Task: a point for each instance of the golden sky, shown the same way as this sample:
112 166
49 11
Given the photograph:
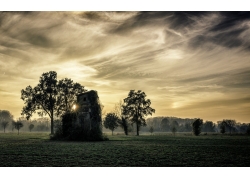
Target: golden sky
190 64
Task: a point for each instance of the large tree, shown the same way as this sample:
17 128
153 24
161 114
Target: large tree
50 97
136 107
67 91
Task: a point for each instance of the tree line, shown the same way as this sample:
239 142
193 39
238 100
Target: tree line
175 124
7 123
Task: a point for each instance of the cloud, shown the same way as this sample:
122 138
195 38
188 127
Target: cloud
180 59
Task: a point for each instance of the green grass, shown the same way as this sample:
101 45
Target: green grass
35 149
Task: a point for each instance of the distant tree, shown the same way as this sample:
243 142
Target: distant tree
123 119
197 125
174 127
111 122
50 97
222 127
136 107
31 126
5 118
12 125
165 125
5 115
248 129
151 129
4 124
230 124
18 125
188 127
208 126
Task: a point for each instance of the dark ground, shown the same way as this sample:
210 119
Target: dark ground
35 149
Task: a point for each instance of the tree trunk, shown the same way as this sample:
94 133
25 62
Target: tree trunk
137 129
112 133
52 124
4 129
18 131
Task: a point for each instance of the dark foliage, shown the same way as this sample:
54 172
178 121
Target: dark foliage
111 121
18 125
31 126
208 126
50 97
174 127
123 124
73 127
136 107
223 127
197 125
165 125
248 129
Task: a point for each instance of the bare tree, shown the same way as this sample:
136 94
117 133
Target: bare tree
123 119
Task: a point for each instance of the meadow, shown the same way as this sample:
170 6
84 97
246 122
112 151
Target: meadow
159 150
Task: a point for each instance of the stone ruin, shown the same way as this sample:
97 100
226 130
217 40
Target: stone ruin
89 110
85 123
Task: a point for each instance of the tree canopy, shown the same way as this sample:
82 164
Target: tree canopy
197 125
50 97
111 121
136 107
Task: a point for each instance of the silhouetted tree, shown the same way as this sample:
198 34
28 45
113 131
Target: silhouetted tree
50 97
197 125
248 129
67 91
31 126
174 127
18 125
5 118
222 127
5 115
151 129
111 122
208 126
165 125
4 124
230 124
136 107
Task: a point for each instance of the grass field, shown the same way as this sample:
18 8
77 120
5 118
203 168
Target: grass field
35 149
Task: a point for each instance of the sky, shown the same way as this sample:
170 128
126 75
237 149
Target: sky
189 64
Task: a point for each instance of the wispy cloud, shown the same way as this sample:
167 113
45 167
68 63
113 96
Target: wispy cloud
188 63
